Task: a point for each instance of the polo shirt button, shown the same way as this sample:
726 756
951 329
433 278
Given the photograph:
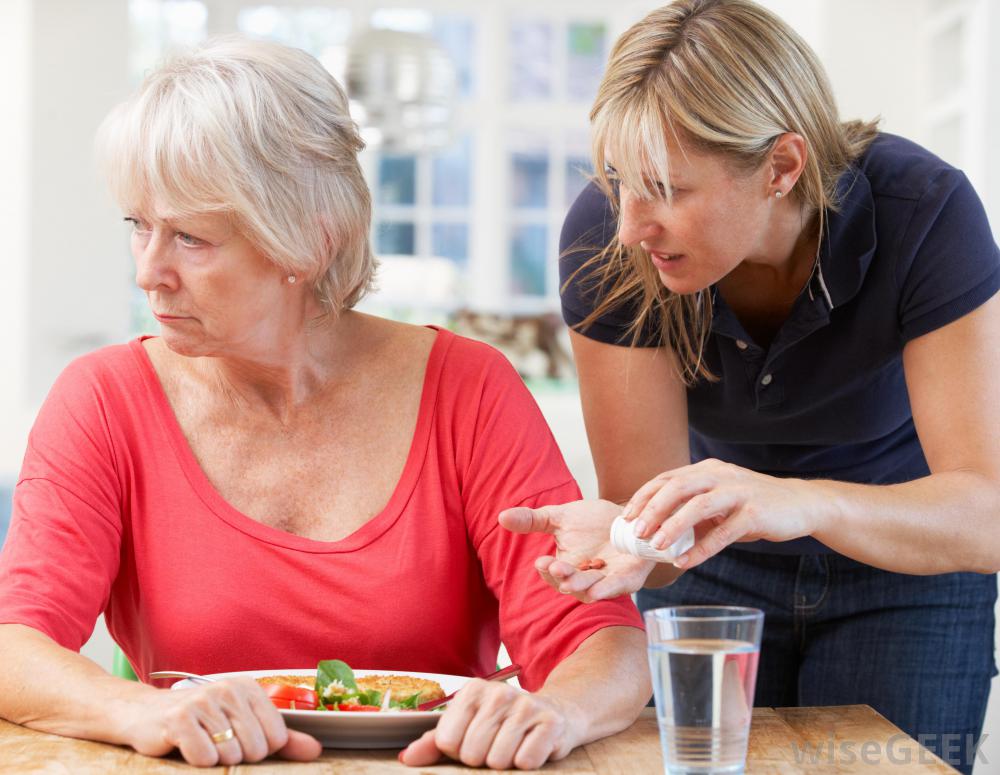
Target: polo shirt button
766 380
741 344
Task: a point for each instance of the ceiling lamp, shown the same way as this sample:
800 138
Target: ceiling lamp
402 90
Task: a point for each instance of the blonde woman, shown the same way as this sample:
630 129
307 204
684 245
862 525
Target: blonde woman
788 339
276 479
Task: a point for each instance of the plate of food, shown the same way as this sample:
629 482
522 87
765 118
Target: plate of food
345 708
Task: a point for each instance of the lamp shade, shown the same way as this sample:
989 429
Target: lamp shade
402 87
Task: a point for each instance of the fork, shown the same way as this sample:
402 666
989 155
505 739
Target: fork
181 674
500 675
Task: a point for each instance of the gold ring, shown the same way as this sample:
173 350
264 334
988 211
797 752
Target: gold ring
221 737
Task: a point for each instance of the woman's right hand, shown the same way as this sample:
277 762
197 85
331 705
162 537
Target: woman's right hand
582 531
186 719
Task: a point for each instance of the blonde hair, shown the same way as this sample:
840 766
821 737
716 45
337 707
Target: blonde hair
260 132
727 77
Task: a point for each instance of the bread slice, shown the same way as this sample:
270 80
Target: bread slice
402 686
305 681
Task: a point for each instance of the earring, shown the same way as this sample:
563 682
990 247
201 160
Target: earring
778 195
291 279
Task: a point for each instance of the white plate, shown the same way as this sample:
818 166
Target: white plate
356 729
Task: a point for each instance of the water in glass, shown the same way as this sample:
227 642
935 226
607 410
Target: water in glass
704 698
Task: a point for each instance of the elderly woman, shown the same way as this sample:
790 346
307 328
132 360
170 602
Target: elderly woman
277 479
813 386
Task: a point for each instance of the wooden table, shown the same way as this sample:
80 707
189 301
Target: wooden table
844 739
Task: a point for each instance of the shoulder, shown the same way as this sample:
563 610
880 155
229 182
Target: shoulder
941 257
86 406
469 362
906 200
591 220
110 371
900 168
923 199
476 382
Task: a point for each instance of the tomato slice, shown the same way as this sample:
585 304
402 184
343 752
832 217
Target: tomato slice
291 704
346 706
292 697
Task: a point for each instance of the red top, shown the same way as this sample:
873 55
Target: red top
113 513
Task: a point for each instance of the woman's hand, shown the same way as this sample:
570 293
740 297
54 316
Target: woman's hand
186 719
498 726
582 532
724 504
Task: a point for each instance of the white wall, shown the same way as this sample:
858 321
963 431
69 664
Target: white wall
65 288
875 66
15 150
77 266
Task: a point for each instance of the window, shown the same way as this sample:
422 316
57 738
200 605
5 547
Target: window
490 203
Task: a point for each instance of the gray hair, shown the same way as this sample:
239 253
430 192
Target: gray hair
260 132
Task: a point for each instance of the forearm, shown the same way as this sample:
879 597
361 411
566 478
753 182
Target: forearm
941 523
604 684
52 689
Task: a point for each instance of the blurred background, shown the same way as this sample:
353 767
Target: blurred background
476 118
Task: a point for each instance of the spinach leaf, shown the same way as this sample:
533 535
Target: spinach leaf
371 697
410 702
333 670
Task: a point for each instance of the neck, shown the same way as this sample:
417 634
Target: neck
787 255
280 372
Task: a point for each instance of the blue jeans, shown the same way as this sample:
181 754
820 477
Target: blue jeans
918 649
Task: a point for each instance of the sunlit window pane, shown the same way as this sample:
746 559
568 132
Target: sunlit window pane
451 240
402 19
266 21
396 237
527 259
531 60
157 26
452 174
323 32
585 60
457 36
529 179
397 180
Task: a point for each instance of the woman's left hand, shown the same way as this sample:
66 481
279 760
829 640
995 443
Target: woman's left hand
498 726
734 503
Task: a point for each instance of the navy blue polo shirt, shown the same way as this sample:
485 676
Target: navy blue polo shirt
909 251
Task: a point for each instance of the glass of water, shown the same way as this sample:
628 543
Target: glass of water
703 660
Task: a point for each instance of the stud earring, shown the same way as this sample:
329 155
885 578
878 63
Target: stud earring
778 195
291 279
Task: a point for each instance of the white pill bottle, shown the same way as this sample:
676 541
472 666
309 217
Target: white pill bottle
624 540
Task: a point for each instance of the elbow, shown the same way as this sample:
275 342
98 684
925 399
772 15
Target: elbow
987 566
978 548
989 563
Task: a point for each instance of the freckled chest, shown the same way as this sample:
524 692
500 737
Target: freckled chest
322 476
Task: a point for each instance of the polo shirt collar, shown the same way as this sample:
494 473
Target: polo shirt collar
849 244
844 256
